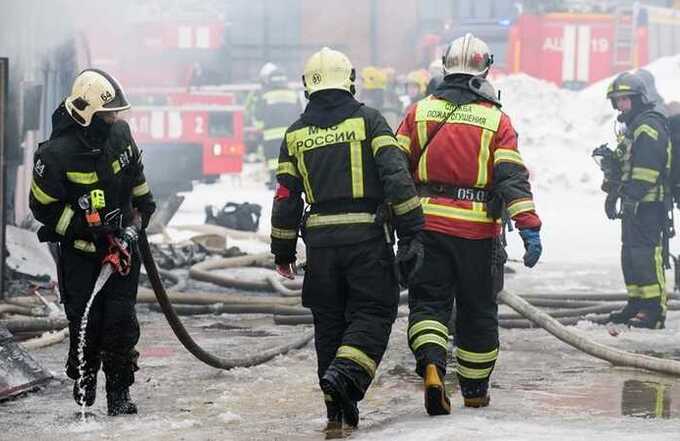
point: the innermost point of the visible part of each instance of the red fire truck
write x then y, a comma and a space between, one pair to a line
576, 49
187, 136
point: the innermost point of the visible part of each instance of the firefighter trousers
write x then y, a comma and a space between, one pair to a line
353, 294
457, 269
642, 256
112, 328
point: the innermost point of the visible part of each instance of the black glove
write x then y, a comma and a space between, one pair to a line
610, 208
410, 255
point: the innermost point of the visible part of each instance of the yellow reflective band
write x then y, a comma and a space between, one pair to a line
64, 220
305, 178
359, 357
661, 277
84, 245
40, 195
357, 166
623, 87
280, 97
383, 141
654, 194
477, 357
82, 178
272, 164
328, 398
520, 206
507, 155
435, 110
633, 291
404, 143
274, 133
423, 325
287, 168
483, 159
645, 174
281, 233
309, 138
422, 161
465, 214
649, 291
646, 129
406, 206
322, 220
472, 373
434, 339
140, 190
115, 165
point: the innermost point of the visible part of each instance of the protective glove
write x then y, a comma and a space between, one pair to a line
286, 270
410, 256
532, 244
610, 206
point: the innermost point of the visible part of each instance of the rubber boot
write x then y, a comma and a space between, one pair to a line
628, 312
118, 402
649, 318
475, 394
436, 401
335, 385
333, 412
85, 389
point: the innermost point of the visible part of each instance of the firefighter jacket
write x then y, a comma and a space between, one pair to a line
274, 110
646, 153
70, 165
343, 156
459, 138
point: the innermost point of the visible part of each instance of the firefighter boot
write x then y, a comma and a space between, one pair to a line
436, 401
649, 316
628, 312
334, 384
118, 402
333, 412
475, 394
85, 389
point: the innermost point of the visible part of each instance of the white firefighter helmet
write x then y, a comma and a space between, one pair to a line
94, 91
266, 70
328, 69
467, 55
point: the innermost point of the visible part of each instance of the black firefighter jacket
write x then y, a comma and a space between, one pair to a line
70, 165
345, 159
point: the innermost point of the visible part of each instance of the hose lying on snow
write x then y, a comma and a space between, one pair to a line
204, 271
614, 356
185, 338
34, 324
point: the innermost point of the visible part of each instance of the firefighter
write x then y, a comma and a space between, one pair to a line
373, 87
416, 85
275, 109
344, 158
88, 188
640, 201
463, 154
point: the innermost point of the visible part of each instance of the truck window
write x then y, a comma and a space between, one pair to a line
220, 124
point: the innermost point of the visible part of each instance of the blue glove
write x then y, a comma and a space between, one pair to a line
532, 244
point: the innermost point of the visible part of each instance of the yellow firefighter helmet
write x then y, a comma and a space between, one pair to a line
420, 78
328, 69
94, 91
467, 55
373, 78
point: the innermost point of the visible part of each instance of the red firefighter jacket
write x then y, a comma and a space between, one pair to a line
475, 148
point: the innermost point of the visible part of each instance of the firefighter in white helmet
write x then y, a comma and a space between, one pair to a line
344, 158
89, 192
463, 156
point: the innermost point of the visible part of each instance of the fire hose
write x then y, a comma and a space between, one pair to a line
186, 339
614, 356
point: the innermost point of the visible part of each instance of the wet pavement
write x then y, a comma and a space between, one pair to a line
540, 386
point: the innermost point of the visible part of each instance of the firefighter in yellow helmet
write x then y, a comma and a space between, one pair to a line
342, 156
416, 85
373, 85
90, 194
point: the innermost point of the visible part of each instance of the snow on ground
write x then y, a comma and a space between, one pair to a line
542, 389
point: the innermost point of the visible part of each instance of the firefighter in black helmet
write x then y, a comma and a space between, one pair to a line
344, 158
89, 192
640, 201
